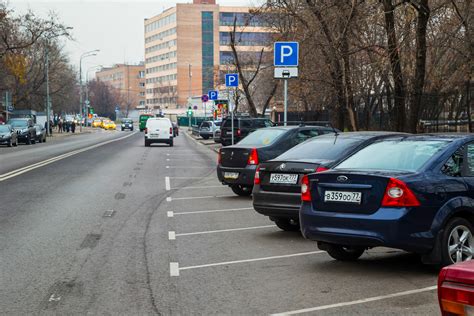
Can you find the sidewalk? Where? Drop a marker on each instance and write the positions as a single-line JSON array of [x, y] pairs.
[[85, 130], [207, 142]]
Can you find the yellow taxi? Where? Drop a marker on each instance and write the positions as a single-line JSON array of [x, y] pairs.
[[96, 123], [110, 125], [103, 121]]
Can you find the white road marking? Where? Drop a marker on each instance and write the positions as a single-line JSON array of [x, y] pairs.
[[203, 187], [187, 167], [252, 260], [167, 183], [171, 235], [170, 214], [362, 301], [202, 197], [169, 199], [182, 154], [188, 177], [225, 230], [46, 162], [214, 211], [174, 269]]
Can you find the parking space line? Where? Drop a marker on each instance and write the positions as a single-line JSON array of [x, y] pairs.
[[170, 214], [361, 301], [187, 167], [251, 260], [223, 230], [167, 183], [169, 199], [213, 211], [203, 187]]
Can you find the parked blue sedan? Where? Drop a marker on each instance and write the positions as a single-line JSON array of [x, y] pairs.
[[414, 193]]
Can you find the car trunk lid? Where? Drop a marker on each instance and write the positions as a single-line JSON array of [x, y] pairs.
[[235, 156], [348, 192]]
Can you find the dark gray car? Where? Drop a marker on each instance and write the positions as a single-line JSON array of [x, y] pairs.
[[8, 136], [25, 129]]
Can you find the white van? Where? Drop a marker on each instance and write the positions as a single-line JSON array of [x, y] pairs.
[[158, 130]]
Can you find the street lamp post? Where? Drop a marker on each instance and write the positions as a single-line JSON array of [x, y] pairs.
[[81, 106]]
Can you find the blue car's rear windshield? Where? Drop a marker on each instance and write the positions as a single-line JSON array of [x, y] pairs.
[[396, 155]]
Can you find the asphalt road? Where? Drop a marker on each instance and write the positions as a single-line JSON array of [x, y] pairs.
[[124, 229]]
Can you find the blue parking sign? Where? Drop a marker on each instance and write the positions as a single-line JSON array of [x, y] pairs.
[[232, 80], [286, 54], [213, 95]]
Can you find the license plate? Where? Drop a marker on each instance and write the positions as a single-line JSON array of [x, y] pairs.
[[346, 197], [284, 178], [231, 175]]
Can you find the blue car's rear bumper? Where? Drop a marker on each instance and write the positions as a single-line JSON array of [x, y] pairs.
[[390, 227]]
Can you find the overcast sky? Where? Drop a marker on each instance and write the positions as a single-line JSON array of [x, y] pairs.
[[114, 27]]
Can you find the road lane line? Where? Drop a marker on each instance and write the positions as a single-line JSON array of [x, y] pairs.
[[184, 178], [170, 214], [213, 211], [174, 269], [46, 162], [171, 235], [224, 230], [169, 199], [201, 197], [167, 183], [252, 260], [362, 301]]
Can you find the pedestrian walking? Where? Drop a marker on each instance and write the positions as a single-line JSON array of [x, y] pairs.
[[68, 126], [60, 125], [73, 127]]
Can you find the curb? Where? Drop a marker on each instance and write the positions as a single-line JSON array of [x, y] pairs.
[[198, 142]]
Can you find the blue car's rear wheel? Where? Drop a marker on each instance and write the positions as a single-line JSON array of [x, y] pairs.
[[457, 242]]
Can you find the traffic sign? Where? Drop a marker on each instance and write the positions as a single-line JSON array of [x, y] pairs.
[[213, 95], [10, 108], [232, 80], [87, 102], [286, 73], [205, 98], [286, 54]]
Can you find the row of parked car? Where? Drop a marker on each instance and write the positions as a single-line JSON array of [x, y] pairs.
[[21, 130], [353, 191]]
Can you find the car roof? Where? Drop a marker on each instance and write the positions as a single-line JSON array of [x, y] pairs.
[[439, 136]]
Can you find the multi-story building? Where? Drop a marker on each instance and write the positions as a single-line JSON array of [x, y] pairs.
[[129, 80], [187, 48]]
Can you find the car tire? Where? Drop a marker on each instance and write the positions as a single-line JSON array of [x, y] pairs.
[[123, 129], [287, 225], [147, 144], [44, 139], [171, 144], [33, 140], [454, 227], [242, 190], [343, 253], [205, 137]]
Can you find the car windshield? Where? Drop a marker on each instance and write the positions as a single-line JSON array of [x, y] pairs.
[[127, 121], [262, 137], [397, 155], [330, 148], [18, 123], [4, 129]]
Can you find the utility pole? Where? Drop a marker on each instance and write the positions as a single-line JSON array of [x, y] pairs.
[[48, 100], [81, 102]]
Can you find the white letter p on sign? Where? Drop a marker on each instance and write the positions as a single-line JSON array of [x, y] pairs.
[[286, 51]]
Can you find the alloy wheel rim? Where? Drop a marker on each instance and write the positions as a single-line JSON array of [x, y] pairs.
[[460, 244]]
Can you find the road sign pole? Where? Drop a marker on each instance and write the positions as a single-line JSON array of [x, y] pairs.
[[285, 113], [231, 108], [7, 105]]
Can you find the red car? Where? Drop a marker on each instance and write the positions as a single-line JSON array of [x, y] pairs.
[[456, 289]]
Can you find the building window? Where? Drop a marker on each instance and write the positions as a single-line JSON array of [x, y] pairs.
[[160, 36], [246, 38], [207, 22], [141, 74], [160, 23], [141, 84], [244, 19]]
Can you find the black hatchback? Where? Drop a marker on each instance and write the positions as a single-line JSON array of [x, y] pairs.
[[277, 184], [237, 164]]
